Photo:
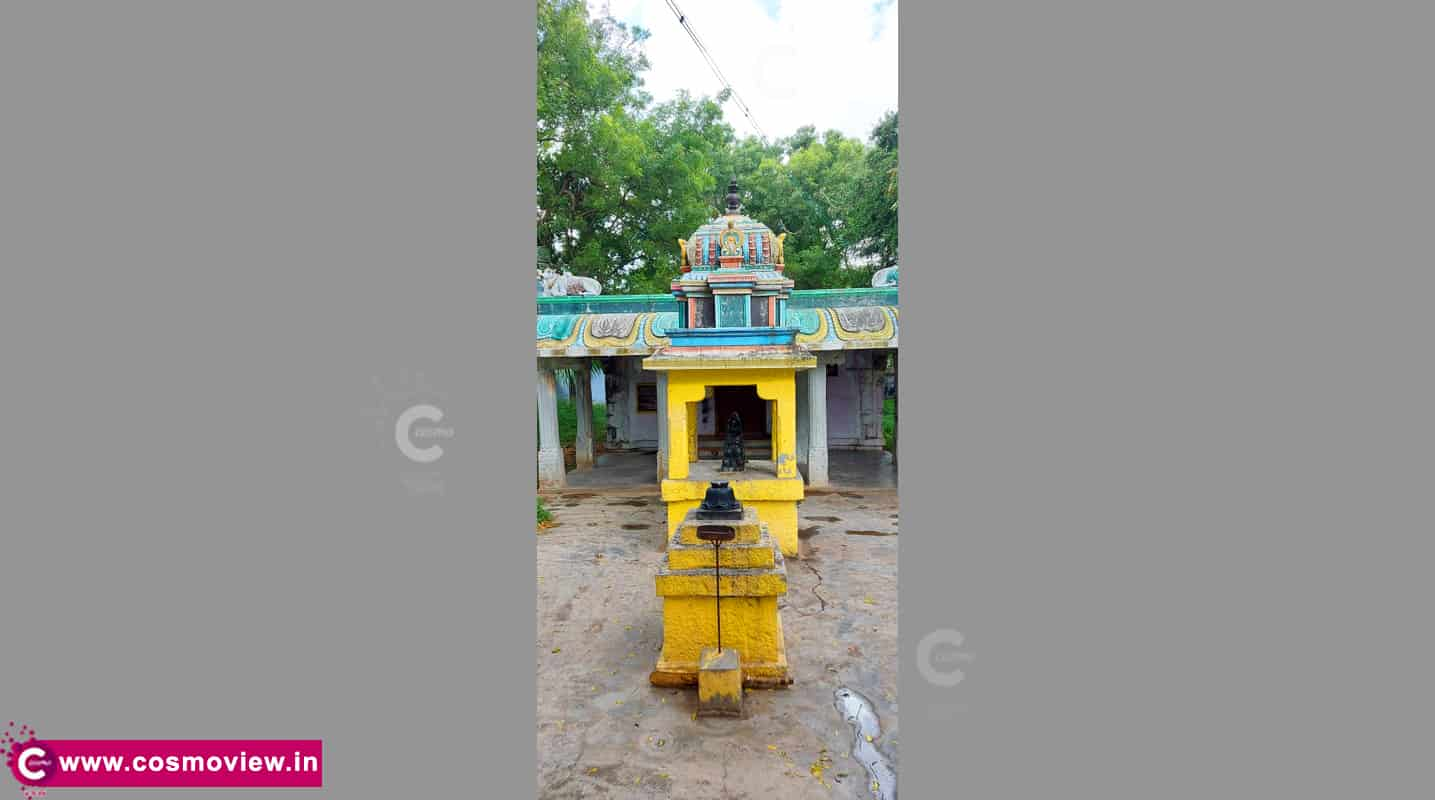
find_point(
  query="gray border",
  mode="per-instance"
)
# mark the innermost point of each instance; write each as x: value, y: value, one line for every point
x: 234, y: 235
x: 1166, y: 401
x: 1176, y: 512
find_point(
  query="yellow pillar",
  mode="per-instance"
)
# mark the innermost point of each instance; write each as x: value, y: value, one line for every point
x: 683, y: 392
x: 783, y: 391
x: 772, y: 439
x: 692, y: 432
x: 677, y: 437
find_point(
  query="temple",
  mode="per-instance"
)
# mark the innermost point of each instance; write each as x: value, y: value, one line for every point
x: 808, y: 370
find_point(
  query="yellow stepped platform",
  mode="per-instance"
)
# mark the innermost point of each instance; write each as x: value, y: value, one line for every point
x: 754, y: 576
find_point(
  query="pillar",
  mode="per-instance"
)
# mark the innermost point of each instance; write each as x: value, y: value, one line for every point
x: 773, y: 423
x: 583, y: 408
x: 662, y: 426
x: 816, y: 412
x: 803, y: 425
x: 693, y: 431
x: 896, y: 407
x: 867, y: 416
x: 615, y: 382
x: 676, y: 404
x: 784, y: 423
x: 550, y: 452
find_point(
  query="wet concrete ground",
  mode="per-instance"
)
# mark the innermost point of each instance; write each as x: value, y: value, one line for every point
x: 604, y: 731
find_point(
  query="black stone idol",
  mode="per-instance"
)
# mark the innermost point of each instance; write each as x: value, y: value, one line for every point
x: 732, y: 454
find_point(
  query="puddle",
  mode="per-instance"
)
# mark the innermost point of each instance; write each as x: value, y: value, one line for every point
x: 807, y: 533
x: 826, y: 519
x: 578, y: 495
x: 871, y: 533
x: 633, y: 503
x: 633, y: 527
x: 866, y: 730
x: 853, y: 495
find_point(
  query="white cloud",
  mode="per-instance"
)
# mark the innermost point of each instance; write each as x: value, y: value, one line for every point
x: 826, y: 63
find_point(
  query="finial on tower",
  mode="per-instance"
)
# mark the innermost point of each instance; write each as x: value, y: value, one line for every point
x: 733, y: 201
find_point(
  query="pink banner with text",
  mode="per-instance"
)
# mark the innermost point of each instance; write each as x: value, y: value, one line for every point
x: 166, y: 763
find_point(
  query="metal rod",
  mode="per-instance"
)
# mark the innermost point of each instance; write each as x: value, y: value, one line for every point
x: 717, y: 585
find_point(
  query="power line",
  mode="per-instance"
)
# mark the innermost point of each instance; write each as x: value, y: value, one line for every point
x: 712, y: 64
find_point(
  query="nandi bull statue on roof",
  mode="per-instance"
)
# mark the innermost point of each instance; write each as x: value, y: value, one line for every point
x: 553, y: 284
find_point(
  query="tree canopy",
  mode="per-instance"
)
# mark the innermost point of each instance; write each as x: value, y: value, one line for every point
x: 622, y: 178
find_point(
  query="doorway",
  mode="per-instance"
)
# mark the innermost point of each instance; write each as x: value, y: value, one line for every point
x: 749, y: 407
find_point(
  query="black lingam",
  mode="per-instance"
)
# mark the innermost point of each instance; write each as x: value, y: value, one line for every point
x: 733, y: 459
x: 719, y: 502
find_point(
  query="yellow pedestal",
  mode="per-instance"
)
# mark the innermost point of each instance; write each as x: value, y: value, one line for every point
x: 754, y: 575
x: 774, y: 499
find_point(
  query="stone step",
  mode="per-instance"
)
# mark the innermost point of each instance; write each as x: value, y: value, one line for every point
x: 748, y: 529
x: 751, y: 555
x: 756, y: 582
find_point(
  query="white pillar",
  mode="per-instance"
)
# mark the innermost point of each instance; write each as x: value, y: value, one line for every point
x: 896, y: 407
x: 583, y: 407
x: 817, y: 425
x: 662, y: 427
x: 550, y: 452
x: 619, y: 398
x: 867, y: 417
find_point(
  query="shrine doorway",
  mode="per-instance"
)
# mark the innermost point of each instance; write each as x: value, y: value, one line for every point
x: 751, y: 408
x: 756, y: 415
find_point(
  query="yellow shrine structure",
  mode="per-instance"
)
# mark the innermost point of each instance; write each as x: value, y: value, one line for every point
x: 732, y: 304
x: 732, y: 299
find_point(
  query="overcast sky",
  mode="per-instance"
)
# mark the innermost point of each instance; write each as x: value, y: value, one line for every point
x: 826, y: 63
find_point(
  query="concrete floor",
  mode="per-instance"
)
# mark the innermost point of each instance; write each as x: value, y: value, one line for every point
x: 612, y: 470
x: 863, y: 469
x: 845, y: 469
x: 604, y: 731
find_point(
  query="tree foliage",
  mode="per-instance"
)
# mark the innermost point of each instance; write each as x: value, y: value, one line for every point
x: 621, y: 178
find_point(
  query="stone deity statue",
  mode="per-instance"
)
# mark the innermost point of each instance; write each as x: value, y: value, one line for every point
x: 733, y: 459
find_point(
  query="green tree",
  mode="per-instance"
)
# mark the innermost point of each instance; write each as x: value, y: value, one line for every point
x: 621, y: 179
x: 588, y: 94
x: 874, y: 203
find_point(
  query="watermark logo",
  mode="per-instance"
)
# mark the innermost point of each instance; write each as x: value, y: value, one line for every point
x: 31, y: 761
x: 938, y: 654
x: 411, y: 421
x: 159, y: 763
x: 776, y: 65
x: 406, y: 432
x: 35, y: 762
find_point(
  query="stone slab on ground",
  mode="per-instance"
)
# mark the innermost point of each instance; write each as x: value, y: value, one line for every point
x: 719, y: 683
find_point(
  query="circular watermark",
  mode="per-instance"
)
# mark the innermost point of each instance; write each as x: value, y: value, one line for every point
x: 937, y: 666
x: 33, y: 763
x: 406, y: 432
x: 776, y: 65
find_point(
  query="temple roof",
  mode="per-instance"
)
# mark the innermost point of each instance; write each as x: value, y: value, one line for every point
x: 637, y: 325
x: 732, y: 233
